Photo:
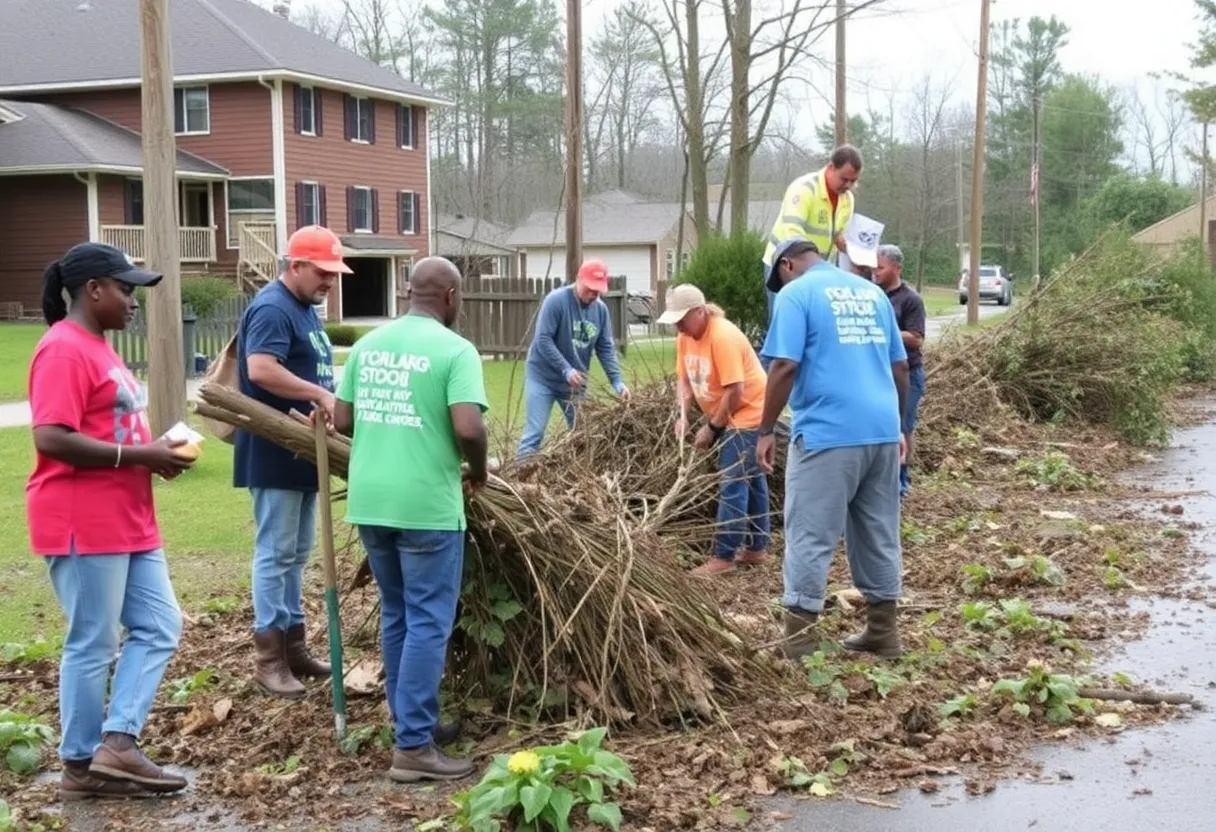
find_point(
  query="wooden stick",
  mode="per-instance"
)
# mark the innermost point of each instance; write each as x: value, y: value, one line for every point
x: 868, y: 801
x: 1140, y: 697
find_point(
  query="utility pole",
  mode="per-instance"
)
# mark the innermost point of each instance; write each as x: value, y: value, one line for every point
x: 1203, y: 192
x: 977, y: 174
x: 962, y: 235
x: 842, y: 118
x: 1035, y: 173
x: 574, y: 138
x: 166, y: 364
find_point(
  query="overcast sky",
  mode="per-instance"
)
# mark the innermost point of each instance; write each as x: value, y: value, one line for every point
x: 893, y: 46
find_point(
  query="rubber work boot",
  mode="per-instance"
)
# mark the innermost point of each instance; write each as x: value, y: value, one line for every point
x: 76, y: 783
x: 119, y: 758
x: 427, y: 763
x: 801, y: 633
x: 300, y: 661
x: 272, y: 674
x: 881, y: 636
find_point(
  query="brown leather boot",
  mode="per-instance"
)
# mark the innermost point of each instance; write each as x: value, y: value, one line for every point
x: 427, y: 763
x: 801, y: 633
x: 119, y: 758
x: 881, y: 635
x: 300, y: 661
x: 272, y: 675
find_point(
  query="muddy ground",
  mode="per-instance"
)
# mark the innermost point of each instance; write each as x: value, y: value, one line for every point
x: 1035, y: 514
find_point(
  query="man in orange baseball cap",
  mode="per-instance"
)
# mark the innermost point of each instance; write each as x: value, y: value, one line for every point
x: 572, y: 324
x: 285, y: 361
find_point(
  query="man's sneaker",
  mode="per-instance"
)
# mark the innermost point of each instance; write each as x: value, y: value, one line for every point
x: 714, y: 566
x: 749, y: 558
x: 427, y: 763
x: 118, y: 758
x: 77, y: 783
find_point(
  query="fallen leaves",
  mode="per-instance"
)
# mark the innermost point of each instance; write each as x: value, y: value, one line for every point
x: 202, y: 718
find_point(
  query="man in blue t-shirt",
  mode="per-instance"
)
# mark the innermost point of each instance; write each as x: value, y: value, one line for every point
x: 835, y: 346
x: 572, y: 324
x: 285, y: 361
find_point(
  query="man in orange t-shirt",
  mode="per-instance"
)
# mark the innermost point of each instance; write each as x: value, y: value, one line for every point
x: 718, y: 369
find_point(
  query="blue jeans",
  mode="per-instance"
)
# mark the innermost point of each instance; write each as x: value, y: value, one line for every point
x: 100, y: 594
x: 286, y: 530
x: 538, y: 406
x: 743, y: 497
x: 916, y: 390
x: 418, y: 573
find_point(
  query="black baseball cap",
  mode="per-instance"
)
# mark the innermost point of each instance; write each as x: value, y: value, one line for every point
x: 787, y: 248
x: 85, y: 261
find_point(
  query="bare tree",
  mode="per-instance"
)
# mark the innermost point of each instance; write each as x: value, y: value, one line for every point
x: 687, y: 80
x: 926, y: 121
x: 774, y: 45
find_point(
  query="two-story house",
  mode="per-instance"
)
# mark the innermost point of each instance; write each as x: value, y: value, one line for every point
x: 276, y: 128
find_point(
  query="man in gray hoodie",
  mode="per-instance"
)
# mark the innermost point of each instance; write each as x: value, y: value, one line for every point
x: 572, y: 324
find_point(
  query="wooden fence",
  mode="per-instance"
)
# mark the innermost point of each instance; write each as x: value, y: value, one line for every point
x: 499, y: 313
x: 211, y: 333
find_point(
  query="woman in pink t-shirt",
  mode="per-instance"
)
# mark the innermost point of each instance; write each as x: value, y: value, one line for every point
x: 90, y: 511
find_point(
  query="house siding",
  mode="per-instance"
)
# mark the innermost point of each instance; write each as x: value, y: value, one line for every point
x: 42, y: 217
x: 334, y: 162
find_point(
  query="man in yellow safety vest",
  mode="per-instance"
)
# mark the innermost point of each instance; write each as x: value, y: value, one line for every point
x: 817, y: 207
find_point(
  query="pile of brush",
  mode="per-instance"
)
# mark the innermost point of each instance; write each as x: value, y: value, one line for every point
x: 574, y: 596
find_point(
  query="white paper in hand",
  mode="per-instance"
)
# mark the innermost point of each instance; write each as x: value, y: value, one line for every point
x: 183, y: 432
x: 862, y: 237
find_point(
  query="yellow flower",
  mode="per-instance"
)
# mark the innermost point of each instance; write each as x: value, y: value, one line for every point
x: 523, y: 762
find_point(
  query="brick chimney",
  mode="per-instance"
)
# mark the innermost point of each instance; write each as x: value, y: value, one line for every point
x: 282, y: 8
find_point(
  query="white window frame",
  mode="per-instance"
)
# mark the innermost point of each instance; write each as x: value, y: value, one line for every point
x: 186, y: 131
x: 315, y: 187
x: 355, y: 210
x: 413, y: 229
x: 362, y: 105
x: 229, y: 228
x: 311, y: 94
x: 413, y: 139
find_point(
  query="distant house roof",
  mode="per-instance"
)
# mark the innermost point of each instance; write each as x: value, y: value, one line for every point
x: 605, y: 223
x: 461, y: 236
x: 1173, y: 228
x: 42, y: 138
x: 761, y: 214
x: 65, y: 44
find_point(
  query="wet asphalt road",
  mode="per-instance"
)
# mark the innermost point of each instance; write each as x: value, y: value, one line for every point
x: 1162, y: 778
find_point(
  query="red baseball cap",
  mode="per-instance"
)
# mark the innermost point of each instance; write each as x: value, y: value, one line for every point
x: 319, y: 246
x: 595, y: 274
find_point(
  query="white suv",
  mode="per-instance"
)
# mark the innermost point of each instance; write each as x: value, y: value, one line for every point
x: 995, y: 284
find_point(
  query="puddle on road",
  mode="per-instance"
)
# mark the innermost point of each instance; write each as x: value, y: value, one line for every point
x: 1153, y: 778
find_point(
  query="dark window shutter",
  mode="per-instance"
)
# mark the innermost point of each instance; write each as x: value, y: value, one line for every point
x: 413, y: 116
x: 400, y: 125
x: 401, y: 212
x: 417, y: 213
x: 317, y: 95
x: 350, y: 209
x: 128, y: 203
x: 322, y: 216
x: 375, y: 211
x: 371, y: 121
x: 179, y: 111
x: 352, y: 115
x: 297, y: 95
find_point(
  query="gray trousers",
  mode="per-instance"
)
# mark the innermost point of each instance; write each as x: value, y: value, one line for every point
x: 841, y: 491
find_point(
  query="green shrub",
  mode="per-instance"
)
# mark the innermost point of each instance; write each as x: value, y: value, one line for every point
x: 729, y: 272
x: 342, y: 335
x: 204, y: 293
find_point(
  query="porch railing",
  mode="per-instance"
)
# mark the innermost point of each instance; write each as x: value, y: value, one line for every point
x: 196, y: 244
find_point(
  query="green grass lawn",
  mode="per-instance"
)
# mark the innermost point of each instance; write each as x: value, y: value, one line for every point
x: 940, y: 301
x: 17, y: 342
x: 207, y: 524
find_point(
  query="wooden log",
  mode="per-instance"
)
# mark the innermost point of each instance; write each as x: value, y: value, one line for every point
x: 1140, y: 697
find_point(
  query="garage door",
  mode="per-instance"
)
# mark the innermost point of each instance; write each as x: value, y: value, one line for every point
x: 631, y: 263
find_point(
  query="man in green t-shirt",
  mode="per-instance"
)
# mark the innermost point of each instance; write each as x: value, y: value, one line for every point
x: 412, y: 398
